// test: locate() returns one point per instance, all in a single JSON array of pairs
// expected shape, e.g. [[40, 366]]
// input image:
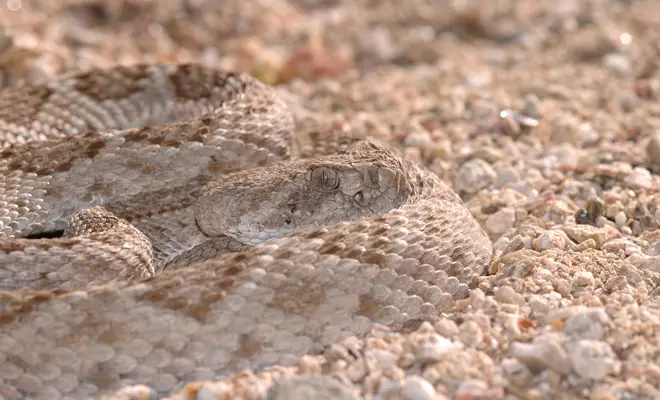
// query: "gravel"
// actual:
[[543, 115]]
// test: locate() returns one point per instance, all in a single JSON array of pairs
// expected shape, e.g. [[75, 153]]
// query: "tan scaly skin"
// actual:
[[196, 248]]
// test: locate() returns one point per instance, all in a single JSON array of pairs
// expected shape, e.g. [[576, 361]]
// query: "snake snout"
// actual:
[[218, 214], [247, 215]]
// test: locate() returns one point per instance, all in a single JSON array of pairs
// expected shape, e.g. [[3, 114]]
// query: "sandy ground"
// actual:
[[543, 115]]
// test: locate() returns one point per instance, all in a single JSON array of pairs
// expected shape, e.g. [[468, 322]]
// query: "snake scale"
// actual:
[[164, 223]]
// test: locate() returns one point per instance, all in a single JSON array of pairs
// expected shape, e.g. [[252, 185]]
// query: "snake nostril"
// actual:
[[288, 218]]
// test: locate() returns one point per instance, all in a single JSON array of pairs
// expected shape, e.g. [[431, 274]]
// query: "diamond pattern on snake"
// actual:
[[161, 224]]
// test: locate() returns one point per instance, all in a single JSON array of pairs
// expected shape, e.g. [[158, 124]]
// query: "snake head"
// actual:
[[286, 198]]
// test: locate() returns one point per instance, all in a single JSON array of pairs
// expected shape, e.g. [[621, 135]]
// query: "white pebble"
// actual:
[[639, 178], [618, 63], [593, 359], [417, 388], [501, 221], [620, 218], [434, 348]]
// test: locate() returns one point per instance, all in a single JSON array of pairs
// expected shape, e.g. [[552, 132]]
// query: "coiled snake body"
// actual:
[[199, 236]]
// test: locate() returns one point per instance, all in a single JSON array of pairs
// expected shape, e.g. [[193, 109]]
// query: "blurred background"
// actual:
[[280, 40]]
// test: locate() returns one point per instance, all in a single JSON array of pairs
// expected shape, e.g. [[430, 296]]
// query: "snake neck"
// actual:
[[426, 184]]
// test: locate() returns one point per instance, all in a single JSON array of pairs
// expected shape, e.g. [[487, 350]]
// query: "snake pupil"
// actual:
[[325, 178]]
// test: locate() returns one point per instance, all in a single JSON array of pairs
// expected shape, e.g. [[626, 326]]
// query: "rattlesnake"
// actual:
[[164, 180]]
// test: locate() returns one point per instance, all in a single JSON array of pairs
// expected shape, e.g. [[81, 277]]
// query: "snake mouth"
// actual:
[[46, 235], [254, 233]]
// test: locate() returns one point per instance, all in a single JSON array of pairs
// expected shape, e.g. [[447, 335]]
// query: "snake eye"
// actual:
[[359, 198], [324, 178]]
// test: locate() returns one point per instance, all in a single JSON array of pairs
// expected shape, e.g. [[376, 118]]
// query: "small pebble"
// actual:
[[516, 372], [566, 128], [506, 294], [434, 347], [582, 233], [588, 324], [592, 359], [533, 106], [501, 221], [653, 149], [470, 333], [639, 178], [474, 175], [583, 278], [620, 218], [475, 389], [306, 387], [618, 63], [549, 240], [507, 176], [308, 364], [136, 392], [417, 388], [446, 328], [544, 352]]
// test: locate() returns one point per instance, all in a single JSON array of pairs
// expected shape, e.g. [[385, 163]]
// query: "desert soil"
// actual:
[[545, 117]]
